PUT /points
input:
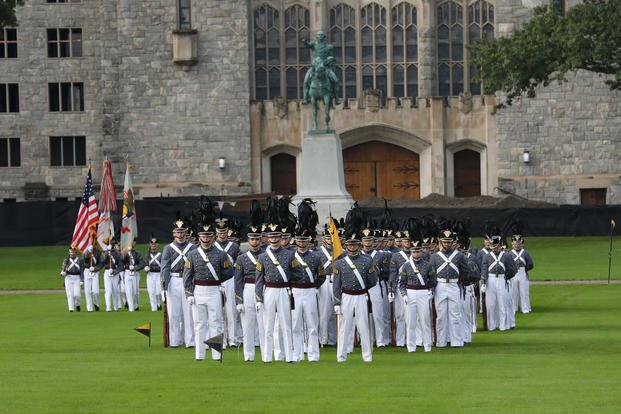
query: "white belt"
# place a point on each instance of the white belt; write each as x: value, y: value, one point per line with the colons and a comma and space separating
x: 496, y: 274
x: 447, y: 280
x: 175, y: 274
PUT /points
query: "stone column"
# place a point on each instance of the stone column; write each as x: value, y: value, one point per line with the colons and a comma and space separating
x: 427, y: 65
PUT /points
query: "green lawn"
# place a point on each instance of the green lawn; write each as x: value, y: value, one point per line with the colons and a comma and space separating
x: 556, y: 258
x: 564, y: 357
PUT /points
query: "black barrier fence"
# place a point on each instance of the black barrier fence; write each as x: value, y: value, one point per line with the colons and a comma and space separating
x: 52, y: 222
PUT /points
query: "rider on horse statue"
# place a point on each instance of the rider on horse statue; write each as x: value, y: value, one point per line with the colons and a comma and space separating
x: 325, y: 52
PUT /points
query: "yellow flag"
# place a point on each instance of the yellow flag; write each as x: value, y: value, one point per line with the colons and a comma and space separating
x: 337, y: 249
x: 144, y: 329
x: 613, y: 224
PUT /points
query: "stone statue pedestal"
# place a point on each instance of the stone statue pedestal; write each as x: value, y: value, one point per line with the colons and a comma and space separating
x: 321, y: 176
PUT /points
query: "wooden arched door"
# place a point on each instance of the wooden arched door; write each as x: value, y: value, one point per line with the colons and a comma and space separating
x: 283, y: 174
x: 467, y: 173
x: 379, y: 169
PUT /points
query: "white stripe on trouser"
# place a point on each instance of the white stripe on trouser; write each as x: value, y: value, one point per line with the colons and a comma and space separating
x: 305, y: 317
x: 180, y: 319
x: 496, y: 303
x: 72, y: 289
x: 509, y: 304
x: 91, y: 289
x: 418, y: 319
x: 448, y: 321
x: 207, y: 315
x: 353, y: 306
x: 154, y: 289
x: 379, y: 332
x: 400, y: 320
x: 137, y: 289
x: 130, y: 287
x: 327, y: 321
x: 276, y: 304
x: 112, y: 292
x: 252, y: 323
x: 521, y: 291
x: 233, y: 321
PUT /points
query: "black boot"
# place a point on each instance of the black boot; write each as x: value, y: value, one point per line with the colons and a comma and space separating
x: 96, y: 308
x: 77, y: 308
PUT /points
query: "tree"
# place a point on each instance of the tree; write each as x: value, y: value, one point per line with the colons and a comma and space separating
x: 7, y: 12
x: 548, y: 46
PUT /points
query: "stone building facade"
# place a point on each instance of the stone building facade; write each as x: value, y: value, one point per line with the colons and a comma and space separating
x: 176, y: 85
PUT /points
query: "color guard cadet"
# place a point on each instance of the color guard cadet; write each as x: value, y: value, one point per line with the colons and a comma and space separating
x: 354, y: 275
x: 205, y: 270
x: 273, y: 292
x: 496, y: 268
x: 153, y: 268
x: 91, y: 262
x: 449, y: 265
x: 468, y: 296
x: 305, y: 281
x: 71, y: 271
x: 415, y: 281
x: 133, y: 263
x: 521, y: 284
x: 327, y: 320
x: 174, y: 258
x: 232, y: 318
x: 398, y: 256
x: 244, y: 275
x: 113, y: 267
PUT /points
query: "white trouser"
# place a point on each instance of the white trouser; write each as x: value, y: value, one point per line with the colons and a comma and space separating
x: 130, y: 286
x: 521, y: 291
x: 276, y: 303
x: 179, y: 314
x: 471, y: 292
x: 137, y: 289
x: 448, y: 309
x: 466, y: 315
x: 122, y: 288
x: 327, y: 320
x: 252, y: 323
x: 400, y: 320
x: 154, y: 289
x: 509, y: 305
x: 112, y: 292
x: 375, y: 294
x: 419, y: 319
x: 91, y: 289
x: 305, y: 322
x: 233, y: 321
x: 496, y: 303
x: 207, y: 315
x: 353, y: 306
x: 72, y: 288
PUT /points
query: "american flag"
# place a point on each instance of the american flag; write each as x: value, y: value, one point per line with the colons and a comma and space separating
x: 86, y: 223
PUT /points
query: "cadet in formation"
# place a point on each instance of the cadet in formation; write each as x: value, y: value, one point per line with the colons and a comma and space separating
x: 153, y: 268
x: 91, y: 262
x: 71, y: 273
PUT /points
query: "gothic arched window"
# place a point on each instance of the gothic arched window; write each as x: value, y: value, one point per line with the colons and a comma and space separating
x: 404, y: 35
x: 480, y: 25
x: 373, y: 47
x: 266, y: 52
x: 342, y: 36
x: 297, y: 57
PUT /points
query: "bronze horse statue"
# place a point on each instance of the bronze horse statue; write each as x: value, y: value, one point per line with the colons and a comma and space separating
x: 320, y: 89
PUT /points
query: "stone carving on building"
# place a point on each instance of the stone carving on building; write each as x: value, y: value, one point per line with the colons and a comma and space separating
x: 372, y: 99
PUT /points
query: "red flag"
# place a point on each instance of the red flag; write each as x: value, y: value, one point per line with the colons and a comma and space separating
x: 107, y: 205
x: 86, y: 223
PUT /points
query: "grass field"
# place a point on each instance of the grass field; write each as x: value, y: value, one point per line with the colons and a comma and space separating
x: 564, y: 357
x: 556, y: 258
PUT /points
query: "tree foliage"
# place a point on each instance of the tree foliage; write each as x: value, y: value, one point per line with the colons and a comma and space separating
x: 548, y: 46
x: 7, y: 12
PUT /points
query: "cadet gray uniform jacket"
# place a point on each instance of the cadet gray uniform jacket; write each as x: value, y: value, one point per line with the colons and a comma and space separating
x: 169, y: 257
x: 408, y: 277
x: 382, y: 262
x: 396, y: 261
x: 345, y: 279
x: 299, y: 275
x: 153, y: 261
x: 97, y: 262
x: 492, y: 264
x: 133, y: 257
x: 72, y: 266
x: 245, y: 272
x: 233, y: 250
x: 448, y: 271
x: 268, y: 273
x: 197, y: 271
x: 522, y: 259
x: 112, y: 260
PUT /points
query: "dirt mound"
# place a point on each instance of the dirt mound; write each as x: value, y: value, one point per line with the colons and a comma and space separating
x: 435, y: 200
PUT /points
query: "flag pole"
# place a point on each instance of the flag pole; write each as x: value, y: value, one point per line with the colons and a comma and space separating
x: 149, y: 335
x: 612, y: 228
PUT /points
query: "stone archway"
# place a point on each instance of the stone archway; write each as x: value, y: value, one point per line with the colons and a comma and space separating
x: 383, y: 170
x: 467, y: 173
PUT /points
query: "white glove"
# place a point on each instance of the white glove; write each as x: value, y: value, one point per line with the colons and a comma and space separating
x: 191, y: 300
x: 91, y: 269
x: 81, y: 283
x: 259, y: 306
x: 240, y: 308
x: 63, y: 273
x: 483, y: 288
x: 337, y: 309
x: 131, y: 268
x: 222, y: 289
x: 391, y: 297
x: 107, y: 247
x: 405, y: 299
x: 88, y: 249
x: 146, y: 268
